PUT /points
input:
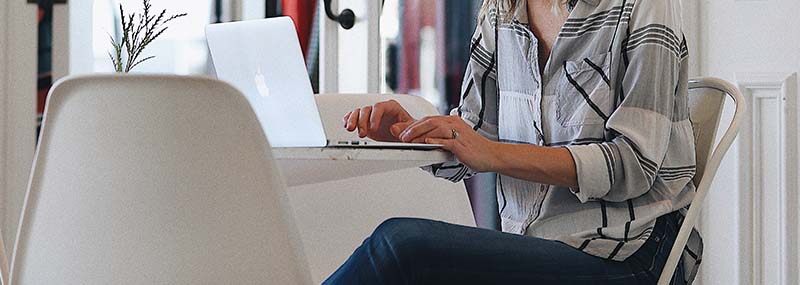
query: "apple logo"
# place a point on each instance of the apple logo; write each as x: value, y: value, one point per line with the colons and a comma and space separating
x: 261, y: 83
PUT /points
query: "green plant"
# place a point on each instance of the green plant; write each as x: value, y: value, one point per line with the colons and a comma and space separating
x: 138, y: 31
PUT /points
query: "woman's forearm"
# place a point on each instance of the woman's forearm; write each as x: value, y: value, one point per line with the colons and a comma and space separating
x: 547, y: 165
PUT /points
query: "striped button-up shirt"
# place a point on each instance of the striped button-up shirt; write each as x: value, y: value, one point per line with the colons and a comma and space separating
x: 614, y: 93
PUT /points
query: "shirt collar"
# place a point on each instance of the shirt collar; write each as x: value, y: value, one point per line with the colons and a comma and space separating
x: 592, y: 2
x: 521, y: 11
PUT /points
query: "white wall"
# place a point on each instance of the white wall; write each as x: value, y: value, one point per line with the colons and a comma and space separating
x: 750, y: 223
x: 79, y: 20
x: 17, y: 108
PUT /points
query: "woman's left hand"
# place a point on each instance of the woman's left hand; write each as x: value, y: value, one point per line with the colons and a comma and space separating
x: 456, y: 136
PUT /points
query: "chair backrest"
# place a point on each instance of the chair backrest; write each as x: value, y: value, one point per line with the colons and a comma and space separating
x: 3, y: 262
x: 706, y: 102
x: 154, y: 179
x: 331, y: 108
x: 705, y: 108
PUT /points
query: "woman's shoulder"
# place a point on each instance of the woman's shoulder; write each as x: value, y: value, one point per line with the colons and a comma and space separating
x: 660, y: 12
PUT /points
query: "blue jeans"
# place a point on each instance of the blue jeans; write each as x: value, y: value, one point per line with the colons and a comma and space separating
x: 417, y: 251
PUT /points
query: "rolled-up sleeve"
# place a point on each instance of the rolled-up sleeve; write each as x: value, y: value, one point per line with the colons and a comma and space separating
x: 647, y: 122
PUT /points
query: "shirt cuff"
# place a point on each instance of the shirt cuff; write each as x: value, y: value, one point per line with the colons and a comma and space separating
x: 592, y: 166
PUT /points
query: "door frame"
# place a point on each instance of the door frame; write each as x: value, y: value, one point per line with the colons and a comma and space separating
x: 18, y: 34
x: 342, y: 68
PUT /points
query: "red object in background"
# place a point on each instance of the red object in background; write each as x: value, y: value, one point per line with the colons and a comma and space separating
x: 418, y: 15
x: 302, y: 12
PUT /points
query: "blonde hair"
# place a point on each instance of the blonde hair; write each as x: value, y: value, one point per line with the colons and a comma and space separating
x: 508, y: 7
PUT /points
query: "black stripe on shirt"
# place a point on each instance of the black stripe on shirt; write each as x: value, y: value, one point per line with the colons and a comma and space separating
x: 616, y: 29
x: 584, y: 244
x: 657, y: 29
x: 604, y: 213
x: 484, y: 80
x: 632, y: 218
x: 677, y: 174
x: 609, y: 164
x: 576, y: 22
x: 582, y: 141
x: 648, y: 165
x: 613, y: 161
x: 502, y: 193
x: 616, y: 250
x: 684, y: 48
x: 656, y: 34
x: 599, y: 70
x: 476, y: 43
x: 584, y: 94
x: 678, y: 168
x: 673, y: 174
x: 465, y: 94
x: 690, y: 252
x: 481, y: 56
x: 592, y: 29
x: 520, y: 29
x: 442, y: 167
x: 610, y: 18
x: 653, y: 40
x: 626, y: 62
x: 513, y: 141
x: 676, y: 178
x: 460, y: 174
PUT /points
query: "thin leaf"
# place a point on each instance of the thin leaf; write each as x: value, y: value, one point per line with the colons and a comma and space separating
x: 143, y: 60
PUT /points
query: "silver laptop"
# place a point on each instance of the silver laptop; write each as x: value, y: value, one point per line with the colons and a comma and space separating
x: 262, y: 58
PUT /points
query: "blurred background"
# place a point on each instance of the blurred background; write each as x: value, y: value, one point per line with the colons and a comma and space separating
x: 424, y: 44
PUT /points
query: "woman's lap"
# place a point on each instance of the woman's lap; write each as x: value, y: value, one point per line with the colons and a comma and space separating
x: 417, y: 251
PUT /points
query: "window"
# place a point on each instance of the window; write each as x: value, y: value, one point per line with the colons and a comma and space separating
x: 425, y: 45
x: 181, y: 49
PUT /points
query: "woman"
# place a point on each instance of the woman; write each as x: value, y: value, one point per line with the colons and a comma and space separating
x: 581, y: 108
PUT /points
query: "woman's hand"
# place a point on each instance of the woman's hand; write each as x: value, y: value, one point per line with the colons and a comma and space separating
x: 456, y: 136
x: 381, y: 122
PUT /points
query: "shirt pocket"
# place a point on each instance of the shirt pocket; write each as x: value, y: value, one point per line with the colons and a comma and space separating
x: 584, y: 93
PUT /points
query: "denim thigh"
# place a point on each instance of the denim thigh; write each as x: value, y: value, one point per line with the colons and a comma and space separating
x: 418, y: 251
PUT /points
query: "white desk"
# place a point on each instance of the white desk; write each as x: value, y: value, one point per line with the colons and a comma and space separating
x: 301, y: 166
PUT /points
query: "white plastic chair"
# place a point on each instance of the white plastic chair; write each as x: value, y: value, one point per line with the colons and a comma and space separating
x: 334, y: 217
x: 706, y: 100
x: 3, y: 262
x: 154, y: 180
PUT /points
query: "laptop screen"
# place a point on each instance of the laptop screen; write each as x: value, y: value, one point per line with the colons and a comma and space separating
x: 263, y: 59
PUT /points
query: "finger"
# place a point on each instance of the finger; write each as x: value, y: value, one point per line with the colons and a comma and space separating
x: 436, y: 133
x: 363, y: 121
x: 417, y: 123
x: 447, y: 144
x: 397, y: 129
x: 418, y: 130
x: 376, y: 116
x: 353, y: 121
x: 346, y: 118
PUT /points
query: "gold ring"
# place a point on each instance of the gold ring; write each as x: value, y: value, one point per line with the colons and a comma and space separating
x: 455, y: 133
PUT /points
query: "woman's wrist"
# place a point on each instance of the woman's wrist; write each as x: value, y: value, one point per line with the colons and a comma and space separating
x: 496, y: 161
x: 553, y: 166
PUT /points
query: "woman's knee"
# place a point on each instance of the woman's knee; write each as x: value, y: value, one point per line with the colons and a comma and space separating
x: 403, y: 237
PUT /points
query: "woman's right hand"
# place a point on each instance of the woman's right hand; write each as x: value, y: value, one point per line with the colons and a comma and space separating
x: 384, y: 121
